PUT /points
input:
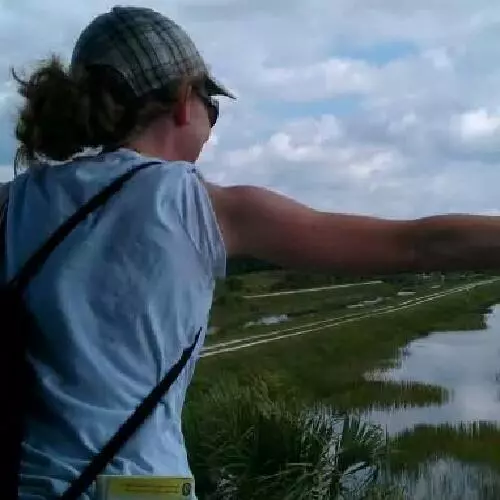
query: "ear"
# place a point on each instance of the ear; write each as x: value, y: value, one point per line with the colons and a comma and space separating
x: 181, y: 111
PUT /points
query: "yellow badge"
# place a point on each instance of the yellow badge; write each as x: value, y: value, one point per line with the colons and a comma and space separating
x: 144, y: 488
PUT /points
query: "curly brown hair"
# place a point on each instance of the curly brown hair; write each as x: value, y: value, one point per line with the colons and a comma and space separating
x: 66, y: 113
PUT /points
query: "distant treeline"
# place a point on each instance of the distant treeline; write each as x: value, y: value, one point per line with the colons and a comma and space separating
x: 244, y: 265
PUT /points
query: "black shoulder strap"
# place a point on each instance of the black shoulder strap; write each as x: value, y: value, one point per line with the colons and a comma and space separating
x: 34, y: 264
x: 128, y: 428
x: 3, y: 217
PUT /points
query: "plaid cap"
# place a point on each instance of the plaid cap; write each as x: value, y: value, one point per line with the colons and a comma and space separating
x: 149, y: 50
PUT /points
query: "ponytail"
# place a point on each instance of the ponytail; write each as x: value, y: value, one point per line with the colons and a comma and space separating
x: 64, y: 114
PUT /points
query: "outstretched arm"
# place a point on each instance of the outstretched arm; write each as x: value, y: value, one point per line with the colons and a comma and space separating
x: 260, y: 223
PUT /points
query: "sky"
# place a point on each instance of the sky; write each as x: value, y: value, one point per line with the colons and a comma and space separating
x: 381, y: 107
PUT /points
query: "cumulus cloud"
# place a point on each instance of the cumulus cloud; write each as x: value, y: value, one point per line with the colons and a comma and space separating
x: 387, y: 107
x: 478, y: 124
x: 319, y: 80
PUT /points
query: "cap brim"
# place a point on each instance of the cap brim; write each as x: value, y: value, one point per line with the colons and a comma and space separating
x: 215, y: 88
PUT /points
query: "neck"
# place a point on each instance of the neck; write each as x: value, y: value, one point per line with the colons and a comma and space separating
x: 155, y: 151
x: 158, y: 141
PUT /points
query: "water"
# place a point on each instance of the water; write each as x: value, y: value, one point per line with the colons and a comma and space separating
x: 467, y: 364
x: 451, y: 480
x: 268, y: 320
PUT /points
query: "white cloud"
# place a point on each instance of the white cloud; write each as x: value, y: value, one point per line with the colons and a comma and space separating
x: 419, y: 133
x: 378, y: 162
x: 478, y: 124
x: 243, y: 157
x: 440, y: 58
x: 323, y: 79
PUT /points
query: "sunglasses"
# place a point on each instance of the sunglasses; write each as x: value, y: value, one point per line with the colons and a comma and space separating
x: 211, y: 105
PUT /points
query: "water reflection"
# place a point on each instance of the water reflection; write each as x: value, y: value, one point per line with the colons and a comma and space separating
x: 467, y: 364
x: 450, y: 480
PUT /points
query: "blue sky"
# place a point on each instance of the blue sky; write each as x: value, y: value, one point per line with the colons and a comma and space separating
x: 384, y: 107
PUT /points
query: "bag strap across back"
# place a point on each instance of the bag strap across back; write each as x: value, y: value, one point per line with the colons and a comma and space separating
x: 34, y: 264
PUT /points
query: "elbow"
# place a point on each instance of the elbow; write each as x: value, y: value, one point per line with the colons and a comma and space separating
x: 449, y: 243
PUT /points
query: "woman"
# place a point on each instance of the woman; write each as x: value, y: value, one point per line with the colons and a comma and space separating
x: 126, y: 292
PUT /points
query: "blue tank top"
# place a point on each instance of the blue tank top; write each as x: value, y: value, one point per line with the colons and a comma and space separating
x: 116, y: 303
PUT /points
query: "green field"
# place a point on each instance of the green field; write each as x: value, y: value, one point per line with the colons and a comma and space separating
x: 329, y: 365
x: 324, y: 369
x: 231, y: 312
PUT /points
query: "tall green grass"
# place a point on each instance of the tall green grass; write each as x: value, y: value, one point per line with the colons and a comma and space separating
x: 244, y: 442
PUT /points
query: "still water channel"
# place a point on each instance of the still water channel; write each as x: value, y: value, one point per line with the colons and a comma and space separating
x: 467, y: 365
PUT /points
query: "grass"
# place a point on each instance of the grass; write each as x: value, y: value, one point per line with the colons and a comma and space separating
x: 387, y: 395
x: 446, y: 462
x: 250, y: 442
x: 475, y: 442
x: 258, y: 422
x: 330, y: 365
x: 231, y: 312
x: 446, y: 479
